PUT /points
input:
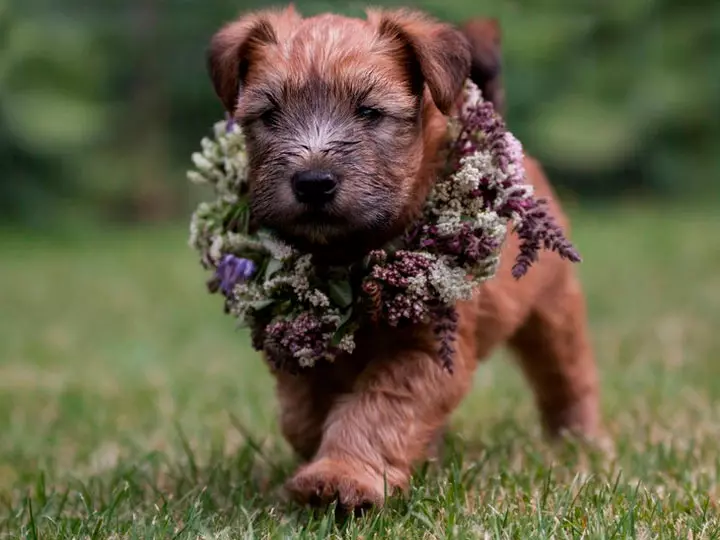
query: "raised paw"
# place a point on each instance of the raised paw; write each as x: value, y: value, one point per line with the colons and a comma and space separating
x: 322, y: 482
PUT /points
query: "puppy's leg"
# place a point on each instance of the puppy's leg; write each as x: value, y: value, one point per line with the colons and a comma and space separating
x: 556, y: 356
x: 374, y: 435
x: 304, y: 406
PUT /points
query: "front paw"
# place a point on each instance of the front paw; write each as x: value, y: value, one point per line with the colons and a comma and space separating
x: 322, y: 482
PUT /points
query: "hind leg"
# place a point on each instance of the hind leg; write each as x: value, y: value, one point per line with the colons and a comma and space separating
x: 556, y: 357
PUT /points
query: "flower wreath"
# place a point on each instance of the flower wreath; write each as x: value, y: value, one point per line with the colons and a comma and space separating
x: 299, y: 313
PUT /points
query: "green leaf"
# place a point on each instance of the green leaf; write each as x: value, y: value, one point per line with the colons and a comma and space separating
x: 346, y: 317
x: 347, y: 326
x: 259, y: 305
x: 235, y: 217
x: 272, y: 268
x: 340, y: 293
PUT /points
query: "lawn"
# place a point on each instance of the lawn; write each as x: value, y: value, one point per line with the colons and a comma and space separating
x: 131, y: 408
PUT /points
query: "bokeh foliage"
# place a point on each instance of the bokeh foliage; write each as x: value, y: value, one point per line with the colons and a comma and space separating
x: 102, y: 102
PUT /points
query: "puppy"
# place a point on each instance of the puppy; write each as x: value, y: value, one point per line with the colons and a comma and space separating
x: 344, y: 120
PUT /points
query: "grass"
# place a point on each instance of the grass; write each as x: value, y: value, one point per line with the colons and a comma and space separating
x: 130, y: 408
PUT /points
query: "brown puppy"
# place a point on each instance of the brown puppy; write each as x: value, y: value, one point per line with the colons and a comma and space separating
x: 344, y: 119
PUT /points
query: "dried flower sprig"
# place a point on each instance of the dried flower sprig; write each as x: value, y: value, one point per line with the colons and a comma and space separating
x: 300, y: 314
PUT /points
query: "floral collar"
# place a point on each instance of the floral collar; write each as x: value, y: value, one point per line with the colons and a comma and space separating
x: 300, y: 314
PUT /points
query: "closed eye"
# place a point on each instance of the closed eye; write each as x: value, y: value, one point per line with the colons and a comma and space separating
x: 260, y: 106
x: 371, y: 114
x: 269, y: 116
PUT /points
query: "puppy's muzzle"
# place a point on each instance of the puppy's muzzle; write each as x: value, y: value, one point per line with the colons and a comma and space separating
x: 314, y: 187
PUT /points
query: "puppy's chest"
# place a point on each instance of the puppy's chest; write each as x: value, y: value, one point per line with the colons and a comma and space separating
x: 376, y: 341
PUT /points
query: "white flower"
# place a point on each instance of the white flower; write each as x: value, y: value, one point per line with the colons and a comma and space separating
x: 299, y: 277
x: 220, y: 129
x: 491, y: 223
x: 196, y: 178
x: 193, y: 241
x: 209, y: 147
x: 245, y: 294
x: 201, y: 162
x: 236, y: 242
x: 449, y: 223
x: 417, y: 285
x: 475, y: 166
x: 277, y: 248
x: 515, y: 148
x: 216, y: 248
x: 347, y: 344
x: 317, y: 298
x: 451, y: 284
x: 305, y: 357
x: 473, y: 96
x: 467, y: 179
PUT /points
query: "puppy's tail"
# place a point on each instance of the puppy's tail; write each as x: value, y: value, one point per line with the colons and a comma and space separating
x: 486, y: 66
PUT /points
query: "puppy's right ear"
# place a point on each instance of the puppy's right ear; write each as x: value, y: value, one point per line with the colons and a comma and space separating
x: 234, y: 47
x: 441, y: 52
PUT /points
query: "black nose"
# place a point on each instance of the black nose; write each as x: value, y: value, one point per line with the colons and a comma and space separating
x: 314, y: 187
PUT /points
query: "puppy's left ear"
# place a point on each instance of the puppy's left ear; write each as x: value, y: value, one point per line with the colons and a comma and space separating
x: 441, y: 52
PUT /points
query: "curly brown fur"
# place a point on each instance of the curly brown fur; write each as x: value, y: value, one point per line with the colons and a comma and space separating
x: 365, y: 101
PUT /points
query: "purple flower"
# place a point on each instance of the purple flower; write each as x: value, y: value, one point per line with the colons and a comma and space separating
x: 230, y: 123
x: 539, y: 230
x: 232, y: 270
x: 387, y: 288
x: 298, y: 341
x: 466, y: 246
x: 445, y: 327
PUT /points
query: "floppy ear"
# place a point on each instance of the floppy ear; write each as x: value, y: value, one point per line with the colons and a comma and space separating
x: 442, y: 53
x: 232, y: 49
x: 486, y: 68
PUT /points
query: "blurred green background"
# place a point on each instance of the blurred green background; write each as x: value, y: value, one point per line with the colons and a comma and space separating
x: 102, y: 102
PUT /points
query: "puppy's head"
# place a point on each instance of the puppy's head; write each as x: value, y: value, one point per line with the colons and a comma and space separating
x: 342, y: 116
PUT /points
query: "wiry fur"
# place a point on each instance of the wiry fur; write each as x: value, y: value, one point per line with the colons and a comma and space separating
x: 297, y: 86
